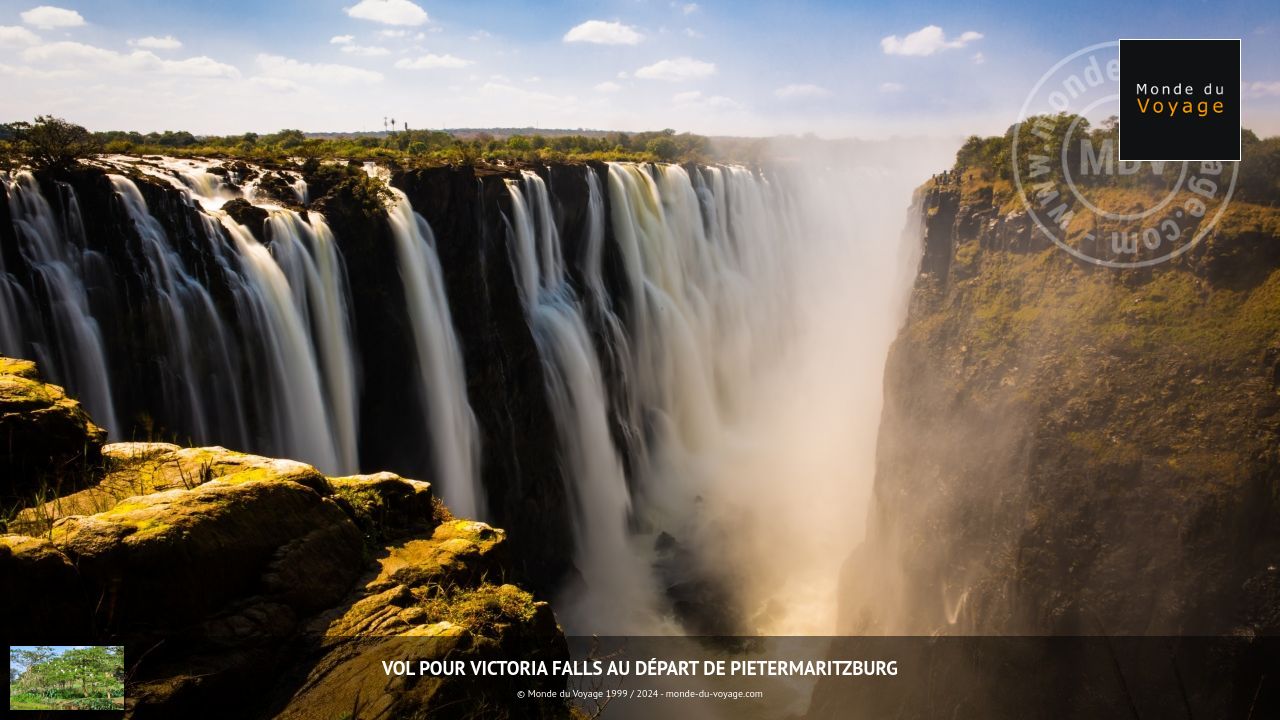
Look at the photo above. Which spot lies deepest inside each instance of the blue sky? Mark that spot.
(862, 69)
(57, 650)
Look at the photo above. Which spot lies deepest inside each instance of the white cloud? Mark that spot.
(199, 66)
(926, 41)
(715, 102)
(979, 58)
(393, 33)
(890, 88)
(168, 42)
(14, 35)
(431, 61)
(341, 39)
(275, 83)
(365, 50)
(520, 96)
(278, 66)
(479, 35)
(690, 32)
(608, 86)
(74, 55)
(800, 91)
(1259, 89)
(689, 8)
(389, 12)
(677, 70)
(47, 17)
(603, 32)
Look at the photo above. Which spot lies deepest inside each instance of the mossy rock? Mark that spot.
(43, 595)
(139, 468)
(48, 443)
(187, 554)
(459, 552)
(385, 505)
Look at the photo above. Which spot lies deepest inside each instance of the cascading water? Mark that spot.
(300, 421)
(297, 297)
(195, 380)
(761, 307)
(617, 591)
(441, 380)
(55, 251)
(713, 375)
(309, 258)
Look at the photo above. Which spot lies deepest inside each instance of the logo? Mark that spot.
(1098, 208)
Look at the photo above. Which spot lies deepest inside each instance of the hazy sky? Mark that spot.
(868, 69)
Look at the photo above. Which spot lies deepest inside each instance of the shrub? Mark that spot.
(54, 143)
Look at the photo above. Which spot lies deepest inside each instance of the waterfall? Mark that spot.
(296, 297)
(712, 347)
(441, 381)
(617, 593)
(300, 419)
(56, 253)
(309, 258)
(198, 374)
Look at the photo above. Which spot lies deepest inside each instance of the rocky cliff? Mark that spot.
(1069, 450)
(156, 401)
(244, 586)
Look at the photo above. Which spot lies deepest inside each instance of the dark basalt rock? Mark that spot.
(506, 381)
(506, 386)
(252, 217)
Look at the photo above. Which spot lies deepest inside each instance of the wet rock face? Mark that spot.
(252, 217)
(1072, 450)
(47, 441)
(505, 378)
(506, 384)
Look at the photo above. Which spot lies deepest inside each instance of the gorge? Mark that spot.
(664, 382)
(587, 355)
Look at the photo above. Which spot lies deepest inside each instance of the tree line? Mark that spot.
(53, 142)
(1258, 178)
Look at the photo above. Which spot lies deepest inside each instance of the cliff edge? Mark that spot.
(254, 587)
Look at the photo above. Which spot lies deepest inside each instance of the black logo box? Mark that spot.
(1186, 64)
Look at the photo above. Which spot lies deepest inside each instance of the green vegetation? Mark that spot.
(990, 159)
(483, 610)
(72, 678)
(1135, 370)
(48, 142)
(52, 142)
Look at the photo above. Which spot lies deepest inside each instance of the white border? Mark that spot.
(1240, 110)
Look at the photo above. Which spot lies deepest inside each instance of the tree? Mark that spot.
(664, 148)
(54, 143)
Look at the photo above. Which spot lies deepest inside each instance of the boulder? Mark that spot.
(255, 587)
(139, 468)
(252, 217)
(188, 553)
(47, 441)
(46, 601)
(386, 505)
(429, 599)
